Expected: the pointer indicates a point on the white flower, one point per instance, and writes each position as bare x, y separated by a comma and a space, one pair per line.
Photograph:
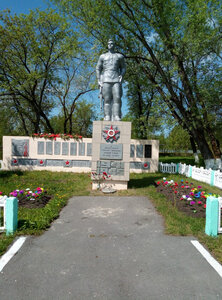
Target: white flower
27, 189
171, 181
17, 190
189, 199
164, 178
184, 196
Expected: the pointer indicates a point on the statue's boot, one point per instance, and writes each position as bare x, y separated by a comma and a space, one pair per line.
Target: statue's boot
117, 112
107, 112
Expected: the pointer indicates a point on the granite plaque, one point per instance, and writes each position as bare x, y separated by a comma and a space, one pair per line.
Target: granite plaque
139, 151
110, 151
81, 149
132, 150
20, 147
148, 151
40, 148
49, 148
24, 162
73, 148
57, 148
54, 162
89, 149
81, 163
135, 165
65, 148
110, 167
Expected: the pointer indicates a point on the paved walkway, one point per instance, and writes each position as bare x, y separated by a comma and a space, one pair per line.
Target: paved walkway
109, 248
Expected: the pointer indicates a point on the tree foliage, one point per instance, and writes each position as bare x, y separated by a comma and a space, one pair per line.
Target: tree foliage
37, 49
174, 45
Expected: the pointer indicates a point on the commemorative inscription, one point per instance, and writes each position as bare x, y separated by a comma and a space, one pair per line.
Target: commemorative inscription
108, 151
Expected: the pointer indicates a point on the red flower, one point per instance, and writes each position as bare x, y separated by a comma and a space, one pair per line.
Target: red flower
15, 161
158, 182
205, 205
175, 192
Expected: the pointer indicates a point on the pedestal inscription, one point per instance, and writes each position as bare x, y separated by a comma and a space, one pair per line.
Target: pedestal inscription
108, 151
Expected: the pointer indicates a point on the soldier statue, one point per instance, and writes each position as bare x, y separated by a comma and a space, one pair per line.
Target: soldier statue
110, 70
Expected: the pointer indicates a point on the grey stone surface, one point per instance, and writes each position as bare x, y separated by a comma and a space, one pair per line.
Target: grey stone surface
57, 148
132, 150
73, 149
89, 149
25, 162
20, 147
135, 165
139, 151
65, 148
40, 148
109, 248
111, 167
110, 151
81, 149
81, 163
54, 162
49, 148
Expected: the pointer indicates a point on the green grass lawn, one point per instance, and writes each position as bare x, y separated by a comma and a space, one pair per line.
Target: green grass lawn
62, 186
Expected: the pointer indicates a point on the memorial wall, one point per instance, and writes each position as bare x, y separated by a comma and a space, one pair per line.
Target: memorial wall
28, 153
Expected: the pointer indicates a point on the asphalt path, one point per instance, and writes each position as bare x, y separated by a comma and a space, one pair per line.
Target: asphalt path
109, 248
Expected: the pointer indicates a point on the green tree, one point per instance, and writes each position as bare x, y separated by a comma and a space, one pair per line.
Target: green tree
177, 47
33, 47
82, 119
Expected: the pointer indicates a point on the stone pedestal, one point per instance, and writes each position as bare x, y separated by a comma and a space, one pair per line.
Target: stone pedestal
111, 154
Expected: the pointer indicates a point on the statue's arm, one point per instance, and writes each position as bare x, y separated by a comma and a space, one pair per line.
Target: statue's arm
99, 68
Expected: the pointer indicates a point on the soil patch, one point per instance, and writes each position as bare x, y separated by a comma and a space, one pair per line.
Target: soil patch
175, 196
36, 203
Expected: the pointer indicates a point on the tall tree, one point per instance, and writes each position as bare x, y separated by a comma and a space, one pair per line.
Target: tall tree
32, 48
177, 46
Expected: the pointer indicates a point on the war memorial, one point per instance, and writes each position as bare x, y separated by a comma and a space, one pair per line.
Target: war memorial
110, 155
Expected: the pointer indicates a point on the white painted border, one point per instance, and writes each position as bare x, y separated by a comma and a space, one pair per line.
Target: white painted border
209, 258
11, 252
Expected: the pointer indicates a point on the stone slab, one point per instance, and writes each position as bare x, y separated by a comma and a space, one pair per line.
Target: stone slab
111, 151
20, 147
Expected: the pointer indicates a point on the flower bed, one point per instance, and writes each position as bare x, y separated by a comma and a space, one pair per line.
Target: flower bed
185, 196
30, 199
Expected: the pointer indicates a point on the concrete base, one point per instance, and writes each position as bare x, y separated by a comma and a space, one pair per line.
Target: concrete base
117, 185
114, 160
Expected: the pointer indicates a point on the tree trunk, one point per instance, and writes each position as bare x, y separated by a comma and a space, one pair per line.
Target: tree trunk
194, 148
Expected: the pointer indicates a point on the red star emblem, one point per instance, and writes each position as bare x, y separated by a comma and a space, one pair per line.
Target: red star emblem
111, 133
67, 162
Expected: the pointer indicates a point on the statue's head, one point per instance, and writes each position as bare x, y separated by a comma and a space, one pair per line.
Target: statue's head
111, 44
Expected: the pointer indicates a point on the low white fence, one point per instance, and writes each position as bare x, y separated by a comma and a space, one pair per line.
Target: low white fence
209, 176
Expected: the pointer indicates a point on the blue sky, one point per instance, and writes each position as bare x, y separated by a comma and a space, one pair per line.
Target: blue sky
22, 6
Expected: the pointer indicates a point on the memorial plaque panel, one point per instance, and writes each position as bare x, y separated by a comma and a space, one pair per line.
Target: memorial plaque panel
20, 147
65, 148
109, 151
148, 151
57, 148
49, 148
110, 167
89, 149
81, 163
81, 149
132, 150
73, 148
40, 148
139, 151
